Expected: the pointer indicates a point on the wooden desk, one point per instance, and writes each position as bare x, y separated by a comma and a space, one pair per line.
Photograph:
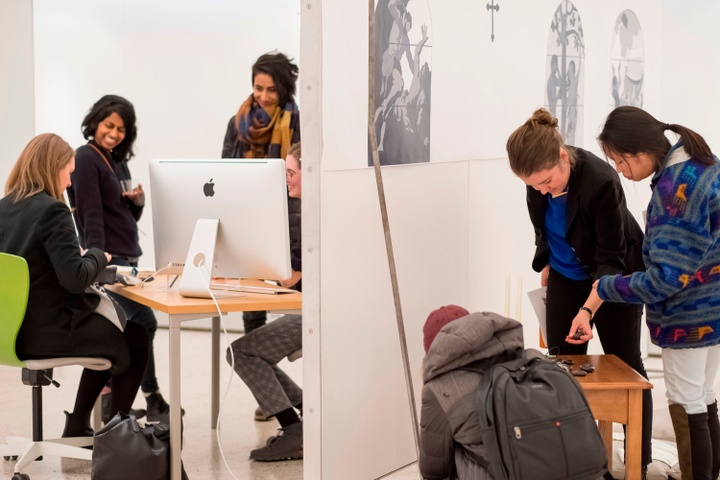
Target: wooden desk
614, 393
179, 309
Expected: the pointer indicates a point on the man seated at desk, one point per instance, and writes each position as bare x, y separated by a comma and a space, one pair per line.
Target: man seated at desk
257, 354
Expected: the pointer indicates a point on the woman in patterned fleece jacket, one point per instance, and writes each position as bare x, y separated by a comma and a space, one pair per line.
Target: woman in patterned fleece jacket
681, 286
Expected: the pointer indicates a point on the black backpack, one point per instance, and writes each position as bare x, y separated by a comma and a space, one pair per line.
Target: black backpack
535, 422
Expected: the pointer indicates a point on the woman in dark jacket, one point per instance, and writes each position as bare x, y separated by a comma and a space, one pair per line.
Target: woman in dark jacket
583, 230
265, 126
60, 320
107, 215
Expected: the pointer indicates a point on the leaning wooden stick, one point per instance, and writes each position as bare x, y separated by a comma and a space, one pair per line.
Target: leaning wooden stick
386, 224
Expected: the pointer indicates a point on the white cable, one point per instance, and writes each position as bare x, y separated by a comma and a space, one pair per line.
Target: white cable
232, 374
152, 275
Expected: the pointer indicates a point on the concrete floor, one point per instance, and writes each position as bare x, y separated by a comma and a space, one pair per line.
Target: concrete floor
202, 453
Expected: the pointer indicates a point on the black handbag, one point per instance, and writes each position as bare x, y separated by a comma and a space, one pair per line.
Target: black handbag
122, 449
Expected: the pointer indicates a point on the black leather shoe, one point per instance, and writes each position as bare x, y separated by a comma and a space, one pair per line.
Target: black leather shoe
138, 413
158, 409
77, 425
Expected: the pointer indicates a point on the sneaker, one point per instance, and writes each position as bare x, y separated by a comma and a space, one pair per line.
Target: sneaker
260, 416
286, 445
158, 409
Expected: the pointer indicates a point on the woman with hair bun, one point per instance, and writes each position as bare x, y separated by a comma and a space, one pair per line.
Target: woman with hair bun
583, 230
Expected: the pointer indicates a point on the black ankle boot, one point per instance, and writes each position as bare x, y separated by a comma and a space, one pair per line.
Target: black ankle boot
77, 425
714, 427
700, 449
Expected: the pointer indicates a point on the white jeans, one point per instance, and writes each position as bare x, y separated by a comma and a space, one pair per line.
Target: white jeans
690, 376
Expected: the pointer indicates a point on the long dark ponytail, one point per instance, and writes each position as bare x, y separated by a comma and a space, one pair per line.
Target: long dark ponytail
631, 130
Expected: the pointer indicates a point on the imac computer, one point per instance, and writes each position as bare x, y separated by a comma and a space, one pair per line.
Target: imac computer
220, 218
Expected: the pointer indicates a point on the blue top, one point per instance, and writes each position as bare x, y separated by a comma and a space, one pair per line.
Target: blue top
681, 251
562, 257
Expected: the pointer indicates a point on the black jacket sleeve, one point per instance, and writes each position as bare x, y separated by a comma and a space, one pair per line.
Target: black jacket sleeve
229, 149
56, 233
87, 179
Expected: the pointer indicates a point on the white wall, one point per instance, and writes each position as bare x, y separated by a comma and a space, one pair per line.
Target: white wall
17, 116
690, 67
185, 65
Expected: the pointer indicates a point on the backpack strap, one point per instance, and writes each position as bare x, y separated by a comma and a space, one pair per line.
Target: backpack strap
478, 459
482, 366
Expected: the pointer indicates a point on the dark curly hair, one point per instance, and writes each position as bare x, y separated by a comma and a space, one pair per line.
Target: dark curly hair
102, 109
283, 72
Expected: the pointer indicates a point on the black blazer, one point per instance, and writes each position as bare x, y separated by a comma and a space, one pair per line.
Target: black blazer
59, 319
601, 230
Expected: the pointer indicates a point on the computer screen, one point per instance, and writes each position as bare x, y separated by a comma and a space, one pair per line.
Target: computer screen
247, 196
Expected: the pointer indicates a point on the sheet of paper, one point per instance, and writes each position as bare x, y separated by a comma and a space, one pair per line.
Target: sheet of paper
537, 300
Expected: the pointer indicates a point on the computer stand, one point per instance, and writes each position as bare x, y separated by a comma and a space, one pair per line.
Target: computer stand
197, 272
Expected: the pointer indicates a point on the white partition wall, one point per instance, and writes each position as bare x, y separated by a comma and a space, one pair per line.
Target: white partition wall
17, 116
459, 224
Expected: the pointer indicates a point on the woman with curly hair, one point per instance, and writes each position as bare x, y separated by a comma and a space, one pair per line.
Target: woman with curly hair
107, 215
265, 126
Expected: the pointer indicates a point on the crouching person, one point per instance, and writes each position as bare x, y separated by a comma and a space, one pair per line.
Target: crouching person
450, 429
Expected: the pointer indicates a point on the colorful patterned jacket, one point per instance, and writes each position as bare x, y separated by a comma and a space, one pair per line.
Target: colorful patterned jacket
681, 250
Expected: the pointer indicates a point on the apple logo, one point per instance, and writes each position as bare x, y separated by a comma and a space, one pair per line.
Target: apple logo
209, 188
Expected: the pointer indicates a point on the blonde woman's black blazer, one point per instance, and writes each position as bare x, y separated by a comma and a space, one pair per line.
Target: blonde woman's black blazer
602, 232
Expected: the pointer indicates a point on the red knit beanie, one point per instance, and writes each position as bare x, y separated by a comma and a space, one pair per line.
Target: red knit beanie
438, 319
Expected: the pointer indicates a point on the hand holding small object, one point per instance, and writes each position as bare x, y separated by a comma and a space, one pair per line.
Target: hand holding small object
136, 194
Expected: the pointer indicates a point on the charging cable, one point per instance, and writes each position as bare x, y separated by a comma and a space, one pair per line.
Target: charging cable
206, 281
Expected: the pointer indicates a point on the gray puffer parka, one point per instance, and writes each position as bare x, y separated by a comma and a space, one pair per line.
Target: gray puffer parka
449, 420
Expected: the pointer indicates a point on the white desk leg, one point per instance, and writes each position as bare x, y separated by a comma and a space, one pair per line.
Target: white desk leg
175, 439
215, 374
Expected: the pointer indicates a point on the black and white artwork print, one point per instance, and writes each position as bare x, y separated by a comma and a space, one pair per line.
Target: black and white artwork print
403, 78
565, 67
627, 62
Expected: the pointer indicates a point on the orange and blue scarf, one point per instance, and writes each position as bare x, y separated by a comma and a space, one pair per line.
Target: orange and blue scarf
267, 133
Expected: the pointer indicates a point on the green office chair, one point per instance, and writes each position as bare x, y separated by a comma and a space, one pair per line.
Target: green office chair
14, 289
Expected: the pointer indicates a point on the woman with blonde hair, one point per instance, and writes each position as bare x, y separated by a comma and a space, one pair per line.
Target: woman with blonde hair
583, 230
60, 319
